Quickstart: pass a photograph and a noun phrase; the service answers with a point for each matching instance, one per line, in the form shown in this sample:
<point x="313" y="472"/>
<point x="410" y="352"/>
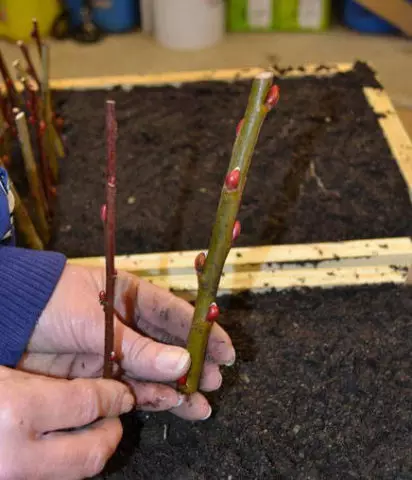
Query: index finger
<point x="161" y="314"/>
<point x="64" y="404"/>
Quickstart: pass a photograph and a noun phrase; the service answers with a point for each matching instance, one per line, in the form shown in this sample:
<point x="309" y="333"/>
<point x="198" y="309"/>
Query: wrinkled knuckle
<point x="89" y="400"/>
<point x="118" y="400"/>
<point x="139" y="347"/>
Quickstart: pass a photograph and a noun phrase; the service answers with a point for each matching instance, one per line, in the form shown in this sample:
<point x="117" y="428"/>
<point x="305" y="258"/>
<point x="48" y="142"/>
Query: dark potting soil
<point x="322" y="170"/>
<point x="321" y="389"/>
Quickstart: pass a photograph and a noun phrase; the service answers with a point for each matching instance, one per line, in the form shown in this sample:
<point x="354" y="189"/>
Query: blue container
<point x="109" y="15"/>
<point x="362" y="20"/>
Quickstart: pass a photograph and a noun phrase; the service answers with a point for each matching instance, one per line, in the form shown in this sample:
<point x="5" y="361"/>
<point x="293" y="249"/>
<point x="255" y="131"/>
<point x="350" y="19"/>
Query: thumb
<point x="145" y="358"/>
<point x="58" y="404"/>
<point x="140" y="356"/>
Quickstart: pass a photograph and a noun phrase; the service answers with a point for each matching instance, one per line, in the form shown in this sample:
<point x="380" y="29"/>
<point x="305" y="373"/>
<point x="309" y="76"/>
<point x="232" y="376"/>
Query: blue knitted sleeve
<point x="27" y="281"/>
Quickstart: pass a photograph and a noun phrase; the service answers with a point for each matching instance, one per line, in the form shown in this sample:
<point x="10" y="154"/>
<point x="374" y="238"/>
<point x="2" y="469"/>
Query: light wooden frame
<point x="263" y="268"/>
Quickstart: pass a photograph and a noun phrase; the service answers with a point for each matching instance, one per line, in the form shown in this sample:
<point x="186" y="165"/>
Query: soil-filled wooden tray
<point x="332" y="162"/>
<point x="321" y="390"/>
<point x="321" y="387"/>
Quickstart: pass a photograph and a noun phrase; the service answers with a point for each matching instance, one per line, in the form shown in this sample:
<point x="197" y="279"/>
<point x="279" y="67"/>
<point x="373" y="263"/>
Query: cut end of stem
<point x="266" y="75"/>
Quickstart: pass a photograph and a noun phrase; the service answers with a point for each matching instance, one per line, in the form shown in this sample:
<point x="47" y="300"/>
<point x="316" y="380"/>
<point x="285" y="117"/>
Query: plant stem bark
<point x="49" y="146"/>
<point x="39" y="201"/>
<point x="11" y="90"/>
<point x="263" y="97"/>
<point x="35" y="35"/>
<point x="43" y="163"/>
<point x="31" y="71"/>
<point x="30" y="66"/>
<point x="108" y="214"/>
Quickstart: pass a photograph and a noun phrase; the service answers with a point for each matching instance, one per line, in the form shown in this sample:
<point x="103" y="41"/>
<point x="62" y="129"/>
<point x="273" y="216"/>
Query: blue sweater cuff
<point x="27" y="281"/>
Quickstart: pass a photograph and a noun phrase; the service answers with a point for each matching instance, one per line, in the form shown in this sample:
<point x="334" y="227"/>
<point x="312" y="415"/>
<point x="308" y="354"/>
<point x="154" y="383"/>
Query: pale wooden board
<point x="265" y="268"/>
<point x="398" y="250"/>
<point x="173" y="78"/>
<point x="394" y="131"/>
<point x="263" y="281"/>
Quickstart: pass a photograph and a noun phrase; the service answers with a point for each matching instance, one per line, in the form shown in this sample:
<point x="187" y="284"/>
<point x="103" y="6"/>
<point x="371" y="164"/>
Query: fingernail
<point x="208" y="414"/>
<point x="127" y="403"/>
<point x="232" y="361"/>
<point x="172" y="360"/>
<point x="180" y="399"/>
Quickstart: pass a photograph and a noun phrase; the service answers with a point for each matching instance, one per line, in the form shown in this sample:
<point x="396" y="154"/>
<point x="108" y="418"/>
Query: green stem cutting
<point x="263" y="97"/>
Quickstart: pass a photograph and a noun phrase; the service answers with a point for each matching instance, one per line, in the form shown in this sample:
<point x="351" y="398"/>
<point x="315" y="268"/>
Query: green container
<point x="278" y="15"/>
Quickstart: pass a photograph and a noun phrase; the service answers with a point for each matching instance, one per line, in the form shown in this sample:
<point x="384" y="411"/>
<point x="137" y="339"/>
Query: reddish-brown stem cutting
<point x="43" y="163"/>
<point x="9" y="84"/>
<point x="108" y="215"/>
<point x="5" y="111"/>
<point x="35" y="34"/>
<point x="55" y="133"/>
<point x="30" y="66"/>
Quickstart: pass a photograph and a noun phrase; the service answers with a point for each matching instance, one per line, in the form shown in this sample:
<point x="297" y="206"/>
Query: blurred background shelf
<point x="140" y="53"/>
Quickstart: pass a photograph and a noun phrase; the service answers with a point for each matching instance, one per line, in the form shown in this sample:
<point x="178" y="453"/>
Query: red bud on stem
<point x="232" y="179"/>
<point x="236" y="230"/>
<point x="239" y="126"/>
<point x="213" y="313"/>
<point x="272" y="97"/>
<point x="103" y="213"/>
<point x="200" y="261"/>
<point x="102" y="297"/>
<point x="182" y="380"/>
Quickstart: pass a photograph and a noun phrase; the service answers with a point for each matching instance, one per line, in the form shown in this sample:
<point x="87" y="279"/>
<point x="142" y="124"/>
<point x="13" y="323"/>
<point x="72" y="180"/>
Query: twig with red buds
<point x="12" y="93"/>
<point x="108" y="216"/>
<point x="35" y="35"/>
<point x="46" y="116"/>
<point x="30" y="66"/>
<point x="45" y="171"/>
<point x="34" y="109"/>
<point x="42" y="48"/>
<point x="262" y="99"/>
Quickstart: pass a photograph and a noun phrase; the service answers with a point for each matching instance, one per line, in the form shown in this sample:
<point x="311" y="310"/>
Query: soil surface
<point x="322" y="170"/>
<point x="322" y="389"/>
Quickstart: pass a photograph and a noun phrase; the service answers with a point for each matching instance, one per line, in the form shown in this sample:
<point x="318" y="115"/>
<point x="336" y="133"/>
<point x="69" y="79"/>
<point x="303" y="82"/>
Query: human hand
<point x="68" y="340"/>
<point x="34" y="411"/>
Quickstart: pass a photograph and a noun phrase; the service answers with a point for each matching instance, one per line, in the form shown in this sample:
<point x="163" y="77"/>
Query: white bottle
<point x="189" y="24"/>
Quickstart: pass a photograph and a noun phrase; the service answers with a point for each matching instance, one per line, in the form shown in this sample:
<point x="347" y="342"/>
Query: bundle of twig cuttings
<point x="30" y="129"/>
